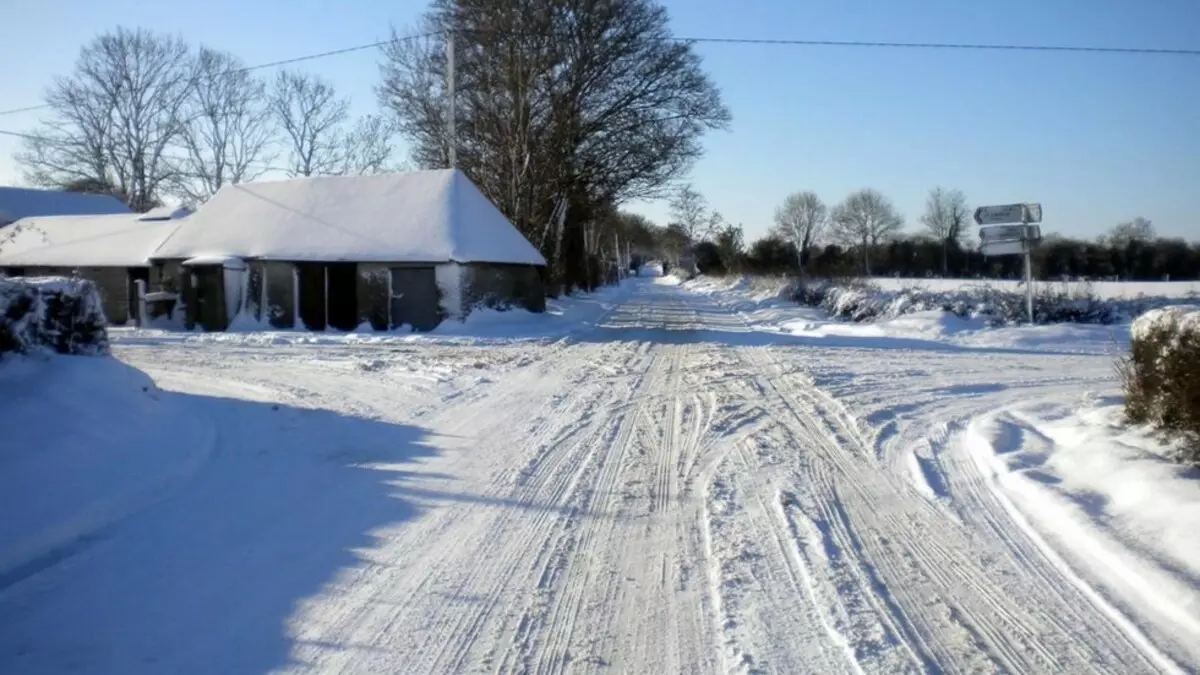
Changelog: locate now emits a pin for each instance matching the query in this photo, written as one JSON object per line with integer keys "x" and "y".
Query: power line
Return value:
{"x": 941, "y": 45}
{"x": 271, "y": 64}
{"x": 744, "y": 41}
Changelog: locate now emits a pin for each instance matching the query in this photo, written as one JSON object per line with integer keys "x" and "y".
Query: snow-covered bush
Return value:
{"x": 54, "y": 313}
{"x": 859, "y": 300}
{"x": 1161, "y": 375}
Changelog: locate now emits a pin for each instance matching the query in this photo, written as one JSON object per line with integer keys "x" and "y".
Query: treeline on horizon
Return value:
{"x": 864, "y": 235}
{"x": 1057, "y": 258}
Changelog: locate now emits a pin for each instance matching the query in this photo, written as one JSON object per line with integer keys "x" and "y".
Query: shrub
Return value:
{"x": 54, "y": 313}
{"x": 1161, "y": 376}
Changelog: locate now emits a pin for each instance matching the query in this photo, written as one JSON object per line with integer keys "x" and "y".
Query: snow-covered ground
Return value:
{"x": 1102, "y": 289}
{"x": 676, "y": 478}
{"x": 762, "y": 304}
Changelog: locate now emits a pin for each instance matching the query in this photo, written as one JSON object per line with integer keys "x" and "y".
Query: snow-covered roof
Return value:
{"x": 230, "y": 262}
{"x": 422, "y": 216}
{"x": 118, "y": 240}
{"x": 17, "y": 203}
{"x": 166, "y": 213}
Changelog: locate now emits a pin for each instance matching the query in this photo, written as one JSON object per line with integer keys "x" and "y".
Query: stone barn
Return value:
{"x": 383, "y": 251}
{"x": 110, "y": 250}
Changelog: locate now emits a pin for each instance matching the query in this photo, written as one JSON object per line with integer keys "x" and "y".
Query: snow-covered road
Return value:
{"x": 667, "y": 492}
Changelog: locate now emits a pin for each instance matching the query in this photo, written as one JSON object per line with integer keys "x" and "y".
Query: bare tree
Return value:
{"x": 310, "y": 116}
{"x": 367, "y": 147}
{"x": 1139, "y": 229}
{"x": 864, "y": 219}
{"x": 945, "y": 218}
{"x": 689, "y": 209}
{"x": 228, "y": 131}
{"x": 115, "y": 117}
{"x": 587, "y": 103}
{"x": 801, "y": 220}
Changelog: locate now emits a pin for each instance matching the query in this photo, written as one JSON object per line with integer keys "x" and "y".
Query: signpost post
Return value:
{"x": 1008, "y": 229}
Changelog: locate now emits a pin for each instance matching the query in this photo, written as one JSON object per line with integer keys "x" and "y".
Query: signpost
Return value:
{"x": 1008, "y": 213}
{"x": 999, "y": 233}
{"x": 992, "y": 249}
{"x": 1007, "y": 229}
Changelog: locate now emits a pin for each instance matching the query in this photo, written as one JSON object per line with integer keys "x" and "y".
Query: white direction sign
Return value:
{"x": 1008, "y": 213}
{"x": 997, "y": 233}
{"x": 996, "y": 248}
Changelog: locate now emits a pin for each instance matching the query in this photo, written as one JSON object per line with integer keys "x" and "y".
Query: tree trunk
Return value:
{"x": 945, "y": 258}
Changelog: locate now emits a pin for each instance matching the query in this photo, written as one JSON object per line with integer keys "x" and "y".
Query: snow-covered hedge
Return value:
{"x": 858, "y": 300}
{"x": 1161, "y": 375}
{"x": 54, "y": 313}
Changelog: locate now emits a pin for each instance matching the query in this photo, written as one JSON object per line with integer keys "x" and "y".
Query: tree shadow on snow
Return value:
{"x": 208, "y": 579}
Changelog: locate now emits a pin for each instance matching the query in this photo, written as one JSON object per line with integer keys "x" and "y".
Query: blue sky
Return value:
{"x": 1097, "y": 138}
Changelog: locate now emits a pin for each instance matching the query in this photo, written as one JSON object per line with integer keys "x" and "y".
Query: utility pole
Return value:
{"x": 450, "y": 129}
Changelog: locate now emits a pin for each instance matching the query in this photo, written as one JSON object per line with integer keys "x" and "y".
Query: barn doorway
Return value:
{"x": 328, "y": 295}
{"x": 136, "y": 273}
{"x": 208, "y": 295}
{"x": 341, "y": 301}
{"x": 310, "y": 278}
{"x": 415, "y": 298}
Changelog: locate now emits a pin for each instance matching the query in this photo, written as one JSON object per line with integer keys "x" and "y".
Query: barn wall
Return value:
{"x": 280, "y": 281}
{"x": 112, "y": 282}
{"x": 373, "y": 297}
{"x": 492, "y": 285}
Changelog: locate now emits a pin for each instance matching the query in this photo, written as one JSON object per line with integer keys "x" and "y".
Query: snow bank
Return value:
{"x": 51, "y": 313}
{"x": 769, "y": 304}
{"x": 857, "y": 300}
{"x": 1107, "y": 290}
{"x": 1102, "y": 495}
{"x": 86, "y": 443}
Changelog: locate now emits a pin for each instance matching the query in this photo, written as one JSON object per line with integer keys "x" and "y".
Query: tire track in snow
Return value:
{"x": 555, "y": 650}
{"x": 990, "y": 624}
{"x": 969, "y": 500}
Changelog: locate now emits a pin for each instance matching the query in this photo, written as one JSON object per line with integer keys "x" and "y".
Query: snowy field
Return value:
{"x": 659, "y": 478}
{"x": 1102, "y": 289}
